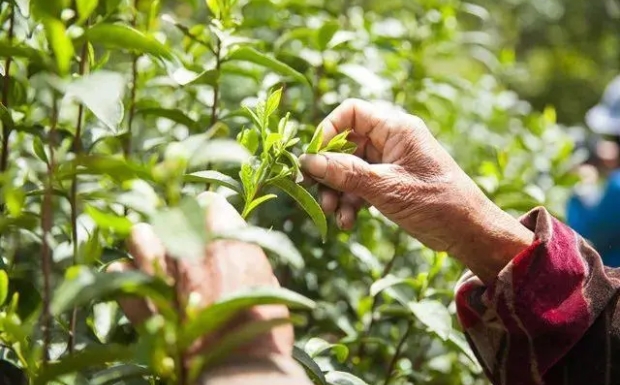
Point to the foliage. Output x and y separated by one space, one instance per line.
115 112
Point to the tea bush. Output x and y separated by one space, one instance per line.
115 112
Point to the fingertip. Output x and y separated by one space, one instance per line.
346 216
329 200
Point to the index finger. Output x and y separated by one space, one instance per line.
360 116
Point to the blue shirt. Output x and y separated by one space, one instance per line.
598 219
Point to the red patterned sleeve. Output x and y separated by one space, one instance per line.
550 317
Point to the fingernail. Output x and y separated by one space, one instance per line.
315 165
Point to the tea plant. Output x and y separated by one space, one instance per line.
116 112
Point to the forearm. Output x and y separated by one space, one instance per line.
243 370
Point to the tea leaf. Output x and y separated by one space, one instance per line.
306 201
118 36
434 315
214 177
315 143
384 283
252 55
217 151
217 315
313 370
230 341
60 42
316 346
326 33
102 93
82 285
255 203
182 229
342 378
173 114
273 101
4 287
109 221
92 356
116 374
85 8
271 240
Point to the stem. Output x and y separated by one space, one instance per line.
216 87
77 150
46 222
134 90
179 304
375 303
397 354
6 130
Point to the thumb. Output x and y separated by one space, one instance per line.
342 172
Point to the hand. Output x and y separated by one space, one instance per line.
227 266
401 169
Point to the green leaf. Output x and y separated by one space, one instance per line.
317 346
458 339
83 285
22 51
4 287
434 315
252 55
218 314
271 240
230 341
214 177
173 114
255 203
119 36
326 33
273 101
306 201
342 378
315 143
38 149
216 151
85 8
60 42
91 250
313 370
338 142
116 374
255 118
182 229
92 356
250 139
246 174
272 138
109 221
102 93
384 283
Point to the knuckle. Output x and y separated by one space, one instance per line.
416 122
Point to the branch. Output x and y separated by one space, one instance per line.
134 90
77 150
397 354
375 303
6 130
216 87
46 224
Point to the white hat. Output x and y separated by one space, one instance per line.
604 118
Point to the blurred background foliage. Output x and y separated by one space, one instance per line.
498 82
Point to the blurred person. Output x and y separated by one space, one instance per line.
594 209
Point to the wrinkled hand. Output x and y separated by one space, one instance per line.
228 266
401 169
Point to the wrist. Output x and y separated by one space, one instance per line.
490 239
